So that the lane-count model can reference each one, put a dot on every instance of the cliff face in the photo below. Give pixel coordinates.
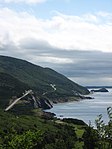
(49, 86)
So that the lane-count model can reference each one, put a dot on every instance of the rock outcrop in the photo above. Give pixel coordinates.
(100, 90)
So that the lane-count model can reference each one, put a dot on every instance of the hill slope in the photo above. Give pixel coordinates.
(10, 86)
(18, 75)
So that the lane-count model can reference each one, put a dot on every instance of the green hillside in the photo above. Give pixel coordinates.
(10, 86)
(16, 75)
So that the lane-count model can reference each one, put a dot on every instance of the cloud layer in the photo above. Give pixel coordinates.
(23, 1)
(87, 32)
(78, 46)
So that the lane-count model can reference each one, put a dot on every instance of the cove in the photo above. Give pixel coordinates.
(86, 110)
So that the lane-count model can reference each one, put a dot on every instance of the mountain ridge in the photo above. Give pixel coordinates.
(43, 81)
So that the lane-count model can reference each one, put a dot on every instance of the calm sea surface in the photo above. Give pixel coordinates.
(87, 110)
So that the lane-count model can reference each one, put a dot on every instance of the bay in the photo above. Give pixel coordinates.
(86, 110)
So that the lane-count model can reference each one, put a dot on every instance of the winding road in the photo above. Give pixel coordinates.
(26, 93)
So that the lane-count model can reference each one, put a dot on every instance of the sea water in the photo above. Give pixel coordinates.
(86, 110)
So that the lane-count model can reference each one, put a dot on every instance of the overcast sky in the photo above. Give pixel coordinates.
(74, 37)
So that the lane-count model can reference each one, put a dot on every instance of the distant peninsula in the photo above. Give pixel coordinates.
(100, 90)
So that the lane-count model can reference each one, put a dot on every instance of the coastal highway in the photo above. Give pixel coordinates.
(25, 94)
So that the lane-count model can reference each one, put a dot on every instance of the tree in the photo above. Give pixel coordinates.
(27, 140)
(90, 137)
(105, 131)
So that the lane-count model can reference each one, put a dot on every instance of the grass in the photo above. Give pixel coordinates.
(79, 130)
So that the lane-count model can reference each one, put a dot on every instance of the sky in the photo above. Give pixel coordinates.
(73, 37)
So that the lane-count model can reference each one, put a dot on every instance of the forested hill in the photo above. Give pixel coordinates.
(16, 75)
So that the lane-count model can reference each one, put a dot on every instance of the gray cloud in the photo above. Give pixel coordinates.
(84, 67)
(90, 64)
(34, 44)
(61, 43)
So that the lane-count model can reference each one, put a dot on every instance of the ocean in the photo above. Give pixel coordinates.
(86, 110)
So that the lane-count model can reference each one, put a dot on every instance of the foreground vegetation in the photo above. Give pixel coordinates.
(32, 132)
(20, 131)
(101, 137)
